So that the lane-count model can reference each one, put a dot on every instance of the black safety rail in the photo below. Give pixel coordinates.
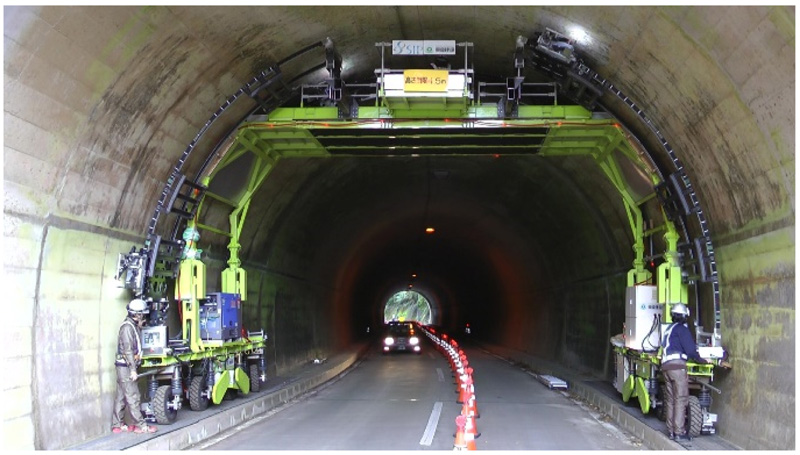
(583, 85)
(680, 200)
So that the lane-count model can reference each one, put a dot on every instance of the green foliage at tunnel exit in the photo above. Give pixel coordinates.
(408, 306)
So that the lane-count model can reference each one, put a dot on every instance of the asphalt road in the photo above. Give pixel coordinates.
(405, 401)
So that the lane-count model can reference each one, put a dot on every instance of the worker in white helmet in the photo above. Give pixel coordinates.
(129, 356)
(678, 347)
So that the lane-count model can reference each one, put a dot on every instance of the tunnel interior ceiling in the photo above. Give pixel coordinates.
(453, 174)
(369, 213)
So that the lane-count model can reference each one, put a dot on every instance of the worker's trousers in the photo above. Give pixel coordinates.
(677, 398)
(127, 397)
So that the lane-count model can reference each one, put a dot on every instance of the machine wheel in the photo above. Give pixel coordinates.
(231, 394)
(255, 378)
(661, 411)
(198, 400)
(162, 402)
(694, 417)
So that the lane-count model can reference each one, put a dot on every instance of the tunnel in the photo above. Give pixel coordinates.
(106, 105)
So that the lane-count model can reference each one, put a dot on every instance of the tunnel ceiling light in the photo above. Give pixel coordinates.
(429, 230)
(413, 275)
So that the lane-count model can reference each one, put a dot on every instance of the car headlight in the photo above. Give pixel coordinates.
(413, 341)
(388, 341)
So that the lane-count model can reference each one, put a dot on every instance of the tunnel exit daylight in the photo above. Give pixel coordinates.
(408, 306)
(279, 182)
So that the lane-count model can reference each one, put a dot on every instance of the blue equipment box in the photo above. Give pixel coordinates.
(221, 316)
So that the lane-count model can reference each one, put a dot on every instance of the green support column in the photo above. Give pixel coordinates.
(190, 287)
(234, 278)
(671, 288)
(638, 274)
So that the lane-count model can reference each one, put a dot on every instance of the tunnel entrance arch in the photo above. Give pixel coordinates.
(453, 119)
(408, 306)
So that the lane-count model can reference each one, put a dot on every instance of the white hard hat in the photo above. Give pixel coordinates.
(680, 308)
(138, 306)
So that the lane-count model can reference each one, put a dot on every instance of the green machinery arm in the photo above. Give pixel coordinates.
(605, 142)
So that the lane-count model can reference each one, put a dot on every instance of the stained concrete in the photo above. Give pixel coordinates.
(100, 102)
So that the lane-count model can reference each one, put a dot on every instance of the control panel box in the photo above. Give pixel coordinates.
(642, 318)
(635, 296)
(154, 340)
(221, 316)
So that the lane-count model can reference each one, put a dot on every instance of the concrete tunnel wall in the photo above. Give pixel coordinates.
(101, 101)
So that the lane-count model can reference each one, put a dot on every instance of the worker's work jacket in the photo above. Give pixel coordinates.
(678, 344)
(129, 345)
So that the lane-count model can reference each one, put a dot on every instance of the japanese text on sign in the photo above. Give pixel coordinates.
(423, 47)
(425, 80)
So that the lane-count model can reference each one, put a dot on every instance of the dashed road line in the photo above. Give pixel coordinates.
(433, 422)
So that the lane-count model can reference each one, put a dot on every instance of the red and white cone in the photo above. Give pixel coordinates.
(472, 407)
(470, 428)
(461, 439)
(466, 387)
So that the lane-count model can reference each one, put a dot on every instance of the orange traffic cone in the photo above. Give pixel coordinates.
(470, 428)
(472, 406)
(470, 442)
(461, 440)
(466, 383)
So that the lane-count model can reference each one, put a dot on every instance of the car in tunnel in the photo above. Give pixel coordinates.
(401, 337)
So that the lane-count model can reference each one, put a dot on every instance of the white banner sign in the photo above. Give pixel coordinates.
(426, 47)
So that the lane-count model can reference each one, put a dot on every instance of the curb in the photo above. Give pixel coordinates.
(653, 438)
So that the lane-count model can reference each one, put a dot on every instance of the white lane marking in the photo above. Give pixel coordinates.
(433, 422)
(441, 375)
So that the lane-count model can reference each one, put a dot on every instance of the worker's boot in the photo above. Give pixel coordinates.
(684, 438)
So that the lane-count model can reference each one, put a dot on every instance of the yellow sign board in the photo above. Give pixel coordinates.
(425, 80)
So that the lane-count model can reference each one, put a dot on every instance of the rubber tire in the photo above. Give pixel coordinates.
(255, 379)
(661, 411)
(198, 401)
(161, 401)
(694, 417)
